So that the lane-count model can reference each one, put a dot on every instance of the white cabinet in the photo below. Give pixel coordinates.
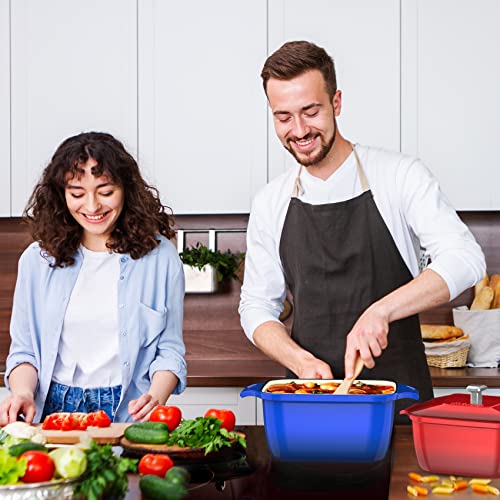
(202, 112)
(363, 37)
(4, 109)
(195, 401)
(74, 69)
(451, 97)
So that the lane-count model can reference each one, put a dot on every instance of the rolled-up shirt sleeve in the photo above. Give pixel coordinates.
(455, 254)
(263, 289)
(21, 346)
(171, 349)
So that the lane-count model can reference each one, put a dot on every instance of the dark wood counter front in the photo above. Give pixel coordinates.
(258, 477)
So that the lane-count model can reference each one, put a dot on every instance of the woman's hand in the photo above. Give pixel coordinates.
(15, 405)
(140, 408)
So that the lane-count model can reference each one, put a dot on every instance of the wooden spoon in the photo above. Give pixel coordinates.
(345, 385)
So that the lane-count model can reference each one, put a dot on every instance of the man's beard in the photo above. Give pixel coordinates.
(323, 152)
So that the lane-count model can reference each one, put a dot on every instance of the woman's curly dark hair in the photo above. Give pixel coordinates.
(143, 216)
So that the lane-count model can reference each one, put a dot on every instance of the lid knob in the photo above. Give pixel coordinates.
(476, 396)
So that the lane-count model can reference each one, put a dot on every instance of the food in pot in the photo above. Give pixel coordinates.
(328, 388)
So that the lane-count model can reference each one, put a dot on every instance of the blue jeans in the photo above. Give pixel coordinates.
(75, 399)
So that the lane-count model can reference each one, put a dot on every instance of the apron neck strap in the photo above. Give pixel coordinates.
(362, 177)
(297, 185)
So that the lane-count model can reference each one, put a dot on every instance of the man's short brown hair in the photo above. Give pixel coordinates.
(294, 58)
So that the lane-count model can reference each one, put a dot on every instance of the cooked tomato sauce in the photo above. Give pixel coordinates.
(327, 388)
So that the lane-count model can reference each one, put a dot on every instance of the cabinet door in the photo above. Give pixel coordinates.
(4, 109)
(74, 69)
(202, 113)
(451, 97)
(363, 37)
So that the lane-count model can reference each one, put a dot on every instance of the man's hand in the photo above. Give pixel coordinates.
(15, 405)
(368, 337)
(140, 408)
(314, 368)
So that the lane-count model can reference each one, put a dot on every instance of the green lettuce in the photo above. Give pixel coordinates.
(11, 469)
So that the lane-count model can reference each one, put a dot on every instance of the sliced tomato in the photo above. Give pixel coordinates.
(98, 419)
(67, 423)
(52, 422)
(77, 421)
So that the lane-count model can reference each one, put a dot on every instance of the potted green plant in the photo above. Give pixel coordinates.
(205, 268)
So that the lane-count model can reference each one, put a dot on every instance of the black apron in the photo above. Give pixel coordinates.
(338, 259)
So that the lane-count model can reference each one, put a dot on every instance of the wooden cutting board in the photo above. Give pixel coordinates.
(102, 435)
(176, 452)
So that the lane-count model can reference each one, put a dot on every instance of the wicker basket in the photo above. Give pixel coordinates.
(455, 359)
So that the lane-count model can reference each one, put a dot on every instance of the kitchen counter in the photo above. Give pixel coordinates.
(227, 358)
(215, 372)
(240, 373)
(259, 477)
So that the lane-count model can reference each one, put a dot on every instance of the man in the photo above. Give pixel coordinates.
(343, 231)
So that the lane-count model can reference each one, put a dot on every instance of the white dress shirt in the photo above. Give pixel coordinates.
(88, 354)
(410, 202)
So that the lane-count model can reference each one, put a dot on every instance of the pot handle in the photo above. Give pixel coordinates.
(406, 392)
(252, 390)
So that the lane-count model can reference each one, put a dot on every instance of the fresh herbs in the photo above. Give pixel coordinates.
(226, 264)
(204, 432)
(106, 474)
(11, 469)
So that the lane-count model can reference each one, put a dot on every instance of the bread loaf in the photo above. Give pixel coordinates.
(432, 332)
(479, 286)
(495, 285)
(483, 299)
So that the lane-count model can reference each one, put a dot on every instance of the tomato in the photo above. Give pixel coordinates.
(156, 464)
(54, 421)
(170, 415)
(40, 467)
(225, 416)
(98, 419)
(77, 421)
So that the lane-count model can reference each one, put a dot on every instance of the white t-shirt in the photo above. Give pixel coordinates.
(88, 354)
(409, 200)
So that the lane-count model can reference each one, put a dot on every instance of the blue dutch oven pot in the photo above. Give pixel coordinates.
(352, 428)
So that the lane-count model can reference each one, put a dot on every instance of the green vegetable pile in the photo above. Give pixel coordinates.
(106, 474)
(226, 264)
(204, 432)
(11, 469)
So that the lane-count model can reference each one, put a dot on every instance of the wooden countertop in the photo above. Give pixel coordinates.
(240, 373)
(266, 479)
(226, 358)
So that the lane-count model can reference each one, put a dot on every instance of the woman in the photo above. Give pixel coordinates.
(97, 314)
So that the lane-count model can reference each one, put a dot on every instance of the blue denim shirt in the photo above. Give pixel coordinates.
(150, 312)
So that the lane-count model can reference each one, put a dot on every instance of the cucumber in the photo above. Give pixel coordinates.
(178, 474)
(156, 488)
(157, 426)
(138, 434)
(16, 450)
